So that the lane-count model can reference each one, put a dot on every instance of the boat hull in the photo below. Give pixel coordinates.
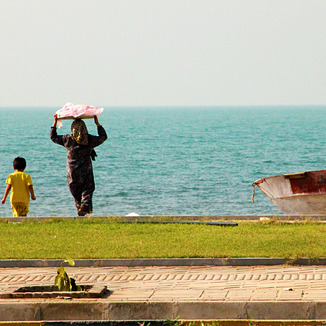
(301, 193)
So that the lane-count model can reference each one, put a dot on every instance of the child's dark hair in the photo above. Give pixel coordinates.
(19, 163)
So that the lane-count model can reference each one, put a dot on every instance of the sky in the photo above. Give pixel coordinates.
(162, 53)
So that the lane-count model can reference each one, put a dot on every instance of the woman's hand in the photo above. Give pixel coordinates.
(55, 120)
(96, 120)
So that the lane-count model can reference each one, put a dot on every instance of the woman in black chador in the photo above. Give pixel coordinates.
(80, 149)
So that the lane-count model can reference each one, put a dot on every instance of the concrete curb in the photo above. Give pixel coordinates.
(21, 263)
(289, 218)
(127, 311)
(226, 322)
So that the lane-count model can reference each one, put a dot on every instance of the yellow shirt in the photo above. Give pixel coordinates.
(19, 182)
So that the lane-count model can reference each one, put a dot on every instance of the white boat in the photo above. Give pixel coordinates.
(301, 193)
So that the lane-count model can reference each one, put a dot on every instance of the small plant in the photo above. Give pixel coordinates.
(201, 323)
(172, 322)
(63, 281)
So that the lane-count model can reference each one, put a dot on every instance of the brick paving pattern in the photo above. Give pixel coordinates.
(207, 283)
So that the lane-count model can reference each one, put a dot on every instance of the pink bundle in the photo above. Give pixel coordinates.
(80, 111)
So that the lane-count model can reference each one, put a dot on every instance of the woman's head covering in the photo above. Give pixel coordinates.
(79, 132)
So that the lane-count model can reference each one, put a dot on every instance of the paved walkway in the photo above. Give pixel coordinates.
(208, 292)
(186, 283)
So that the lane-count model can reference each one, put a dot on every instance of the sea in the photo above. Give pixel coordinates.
(162, 161)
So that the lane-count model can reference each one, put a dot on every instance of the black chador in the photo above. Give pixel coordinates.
(80, 152)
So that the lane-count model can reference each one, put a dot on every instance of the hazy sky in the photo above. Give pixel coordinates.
(169, 52)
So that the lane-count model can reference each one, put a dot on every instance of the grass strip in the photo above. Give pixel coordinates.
(104, 239)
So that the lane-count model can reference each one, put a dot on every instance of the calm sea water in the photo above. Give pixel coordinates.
(168, 161)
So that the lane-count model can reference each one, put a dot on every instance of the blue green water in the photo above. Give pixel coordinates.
(168, 161)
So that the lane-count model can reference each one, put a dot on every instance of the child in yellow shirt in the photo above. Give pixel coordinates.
(21, 186)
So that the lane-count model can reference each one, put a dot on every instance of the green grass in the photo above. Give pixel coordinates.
(97, 238)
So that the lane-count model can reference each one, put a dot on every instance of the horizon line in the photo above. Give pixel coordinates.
(174, 106)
